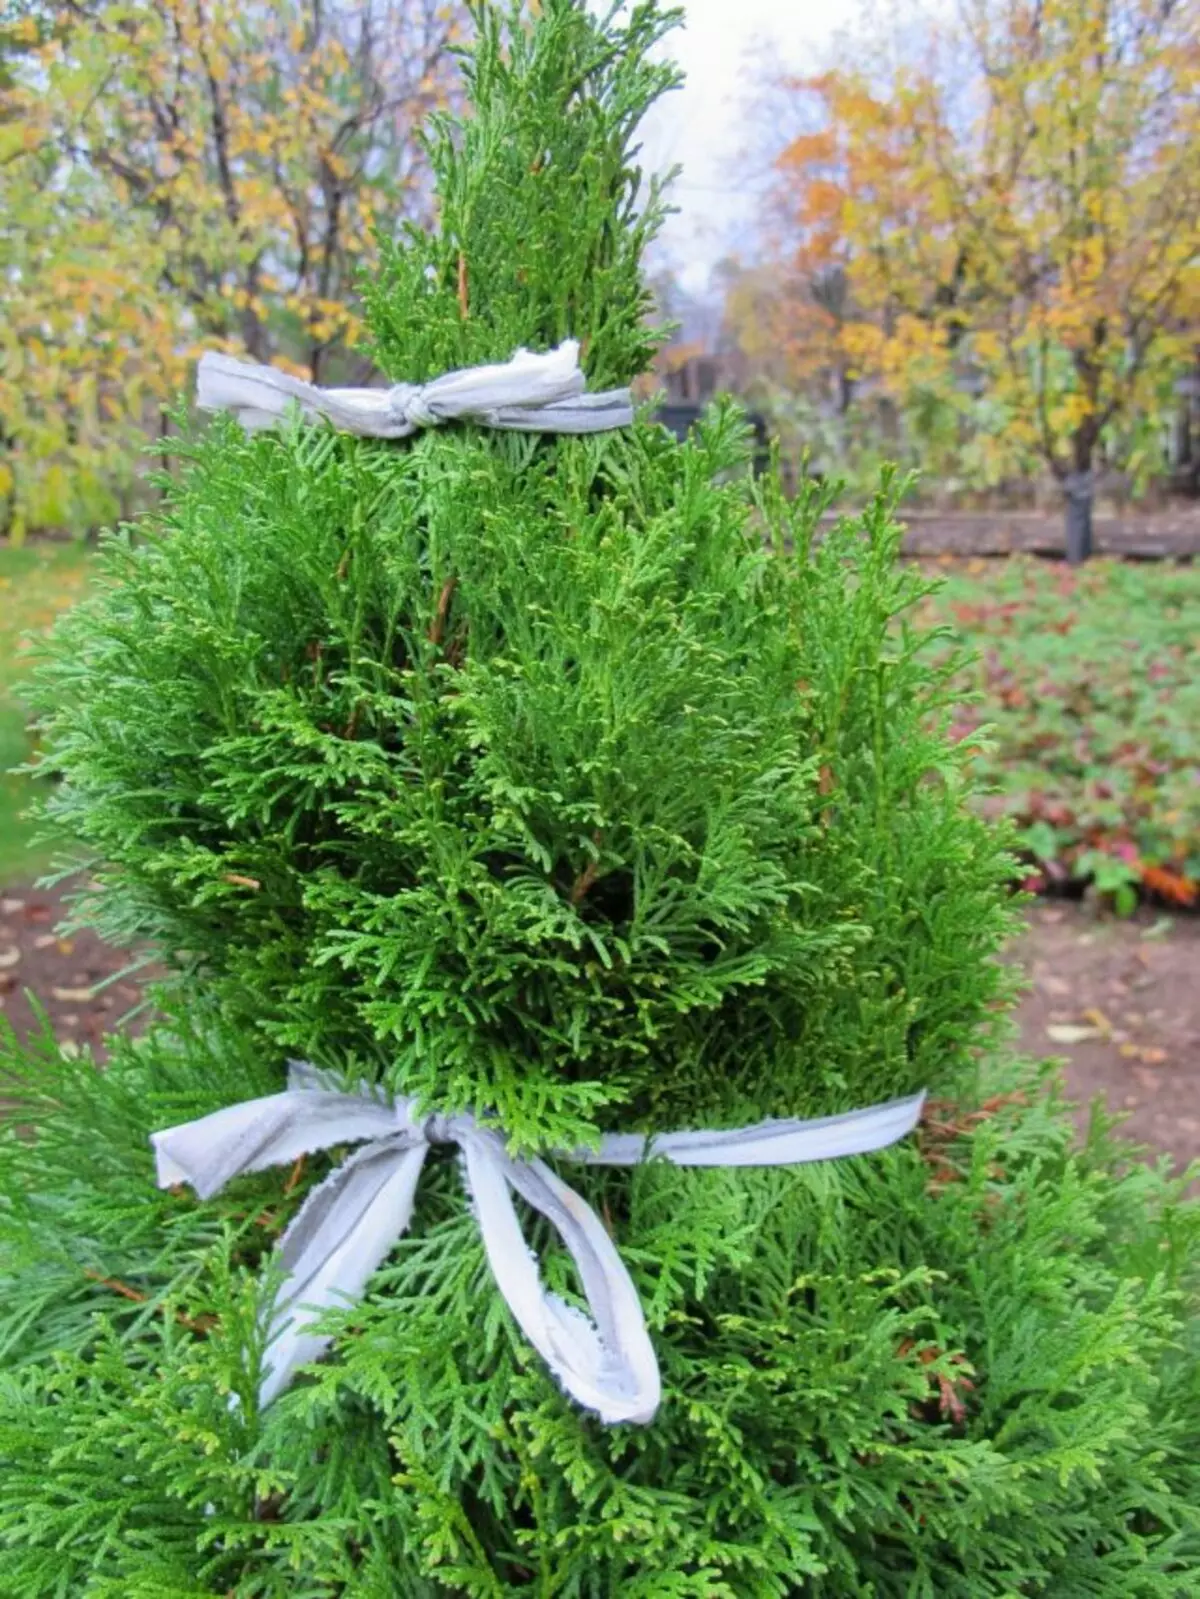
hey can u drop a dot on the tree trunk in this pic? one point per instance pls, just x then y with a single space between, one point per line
1185 443
1079 488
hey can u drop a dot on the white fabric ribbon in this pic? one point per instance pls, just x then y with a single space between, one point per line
530 394
349 1223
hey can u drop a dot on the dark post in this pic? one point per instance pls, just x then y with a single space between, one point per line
679 420
1079 488
1185 443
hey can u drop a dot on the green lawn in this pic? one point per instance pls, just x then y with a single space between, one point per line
36 582
1089 682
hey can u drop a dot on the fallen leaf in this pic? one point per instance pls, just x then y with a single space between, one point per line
10 907
69 996
1170 885
1072 1033
9 956
1098 1019
1148 1054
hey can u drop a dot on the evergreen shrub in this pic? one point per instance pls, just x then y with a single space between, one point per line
579 782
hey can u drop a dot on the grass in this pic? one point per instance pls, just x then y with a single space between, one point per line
1089 691
36 582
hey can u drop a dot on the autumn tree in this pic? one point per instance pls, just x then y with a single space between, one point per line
847 373
1017 207
193 170
89 343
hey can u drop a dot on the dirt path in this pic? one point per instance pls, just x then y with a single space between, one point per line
61 972
1120 1000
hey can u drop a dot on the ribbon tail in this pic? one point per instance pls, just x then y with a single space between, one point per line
210 1152
585 413
259 397
769 1143
343 1232
606 1364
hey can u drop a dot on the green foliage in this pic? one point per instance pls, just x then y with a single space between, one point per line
1089 686
482 768
575 781
870 1389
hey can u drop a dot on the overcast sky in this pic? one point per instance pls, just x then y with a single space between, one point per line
707 127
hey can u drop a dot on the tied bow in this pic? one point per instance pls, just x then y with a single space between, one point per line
530 393
349 1223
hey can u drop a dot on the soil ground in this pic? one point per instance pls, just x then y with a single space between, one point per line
70 977
1120 1000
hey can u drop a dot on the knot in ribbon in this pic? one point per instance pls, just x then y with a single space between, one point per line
350 1222
529 393
411 406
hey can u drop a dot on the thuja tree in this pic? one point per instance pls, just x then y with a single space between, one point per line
571 782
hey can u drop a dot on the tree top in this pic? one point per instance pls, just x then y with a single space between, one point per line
543 211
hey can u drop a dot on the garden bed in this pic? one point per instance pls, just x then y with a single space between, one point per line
1086 709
